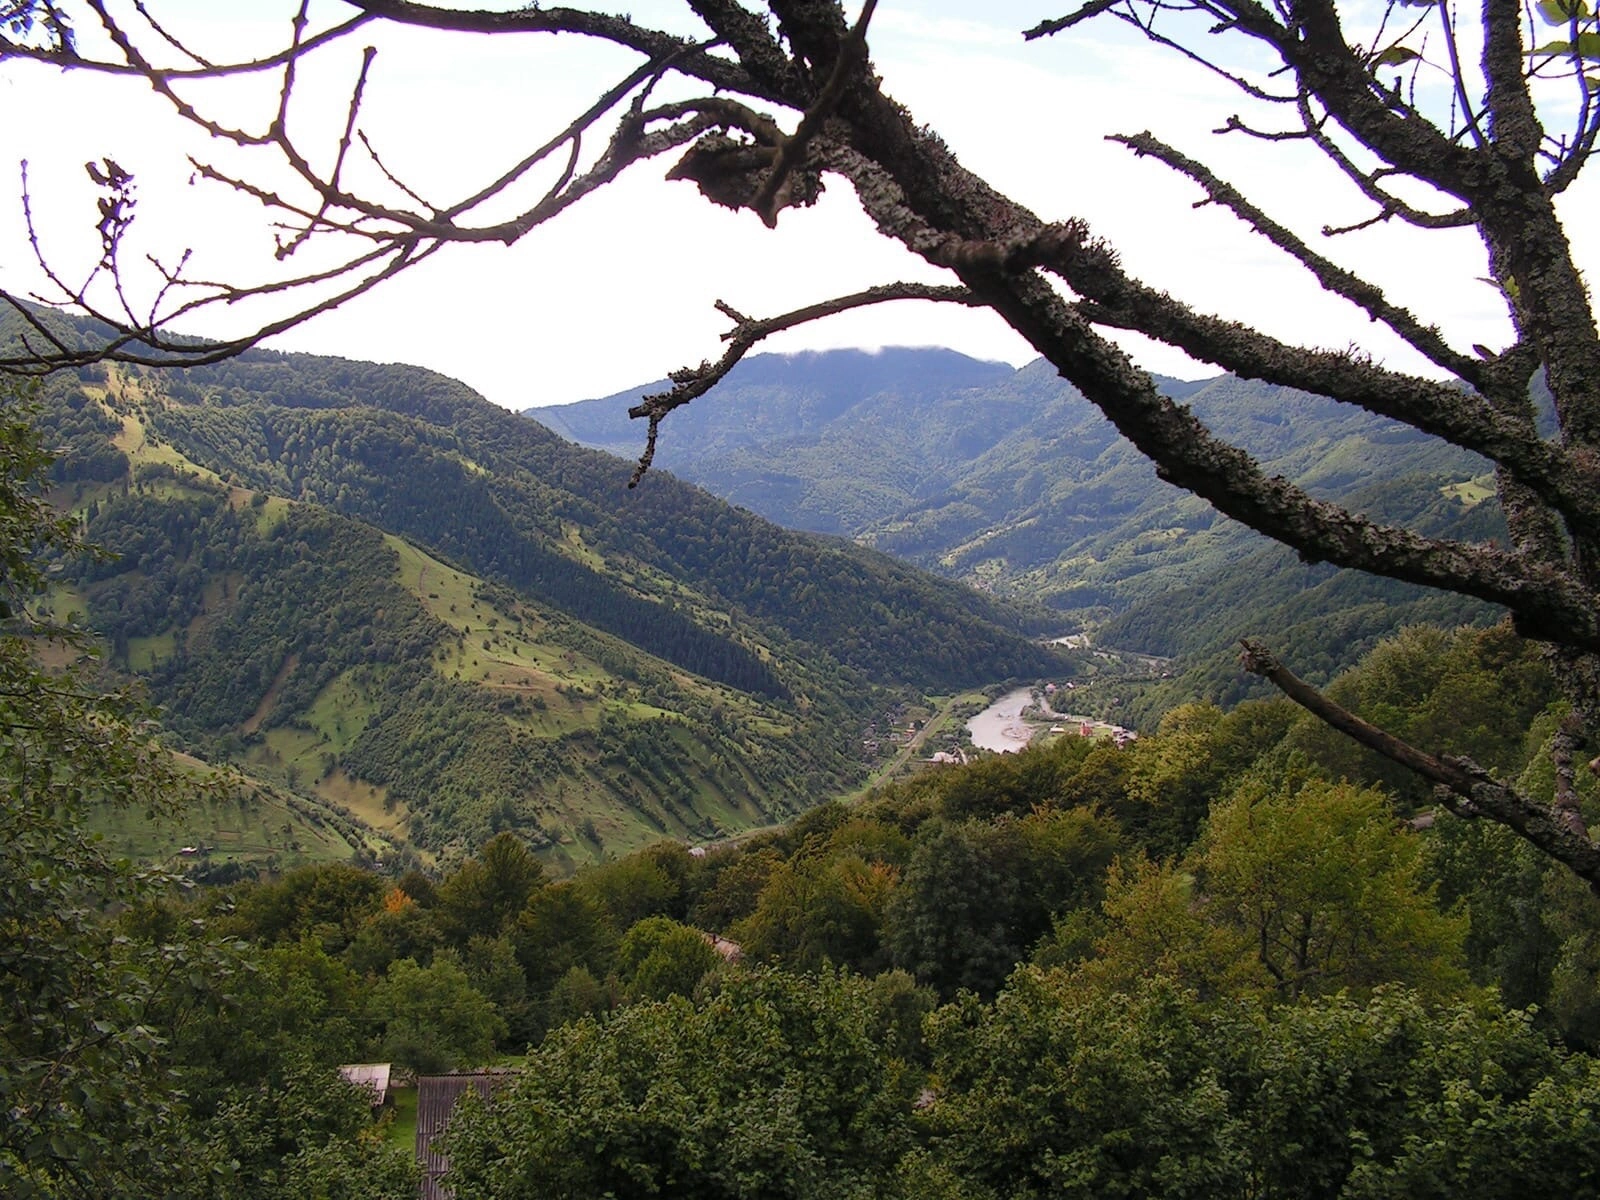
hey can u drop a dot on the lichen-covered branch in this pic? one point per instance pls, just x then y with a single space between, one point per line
1466 788
1426 339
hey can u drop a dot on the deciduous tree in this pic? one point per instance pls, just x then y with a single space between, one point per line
659 957
124 1070
1327 890
1062 1090
432 1018
484 896
87 1105
775 1087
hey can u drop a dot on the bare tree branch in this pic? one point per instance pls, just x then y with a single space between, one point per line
1046 28
1389 204
620 31
690 383
67 57
1333 278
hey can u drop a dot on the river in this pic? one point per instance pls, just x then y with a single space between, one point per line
1000 726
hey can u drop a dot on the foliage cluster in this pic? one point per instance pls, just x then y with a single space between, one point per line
1276 986
1240 969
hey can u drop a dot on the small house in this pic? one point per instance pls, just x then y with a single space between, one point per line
373 1076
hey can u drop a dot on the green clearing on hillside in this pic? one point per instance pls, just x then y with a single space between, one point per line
494 648
251 829
63 603
1472 492
399 1126
270 513
141 448
369 804
341 712
145 652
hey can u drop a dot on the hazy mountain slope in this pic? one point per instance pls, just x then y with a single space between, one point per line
824 441
1020 485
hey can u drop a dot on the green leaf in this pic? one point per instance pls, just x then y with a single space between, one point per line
1561 12
1587 47
1394 56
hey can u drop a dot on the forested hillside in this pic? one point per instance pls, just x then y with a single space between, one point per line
369 585
1032 976
519 494
1011 481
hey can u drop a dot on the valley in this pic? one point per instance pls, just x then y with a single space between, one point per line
1010 481
424 620
428 619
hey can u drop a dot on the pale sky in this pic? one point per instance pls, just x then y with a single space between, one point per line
620 290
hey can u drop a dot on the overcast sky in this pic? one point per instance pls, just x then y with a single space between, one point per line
620 290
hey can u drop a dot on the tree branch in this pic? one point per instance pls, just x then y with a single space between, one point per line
1425 339
1389 205
620 31
1471 790
67 58
1544 601
694 382
402 239
1048 28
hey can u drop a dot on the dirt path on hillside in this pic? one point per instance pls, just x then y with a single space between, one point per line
274 690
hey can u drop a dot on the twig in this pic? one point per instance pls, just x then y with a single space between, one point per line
1333 278
851 57
691 383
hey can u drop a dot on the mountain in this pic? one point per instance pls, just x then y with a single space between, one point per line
373 587
1012 481
828 441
